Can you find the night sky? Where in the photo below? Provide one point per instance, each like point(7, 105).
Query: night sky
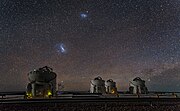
point(83, 39)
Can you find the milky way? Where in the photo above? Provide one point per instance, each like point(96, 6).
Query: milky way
point(114, 39)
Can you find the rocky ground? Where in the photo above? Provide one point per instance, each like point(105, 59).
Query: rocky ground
point(90, 106)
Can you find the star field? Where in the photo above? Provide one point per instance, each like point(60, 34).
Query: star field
point(81, 39)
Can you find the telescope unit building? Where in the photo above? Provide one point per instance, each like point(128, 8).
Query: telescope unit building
point(97, 85)
point(42, 83)
point(110, 87)
point(137, 86)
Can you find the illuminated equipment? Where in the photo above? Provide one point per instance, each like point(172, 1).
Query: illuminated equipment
point(97, 85)
point(110, 87)
point(28, 95)
point(137, 86)
point(42, 83)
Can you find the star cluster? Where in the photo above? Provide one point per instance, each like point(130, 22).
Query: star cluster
point(81, 39)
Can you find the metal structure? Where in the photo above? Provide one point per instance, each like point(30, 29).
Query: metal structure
point(110, 87)
point(98, 85)
point(42, 83)
point(137, 86)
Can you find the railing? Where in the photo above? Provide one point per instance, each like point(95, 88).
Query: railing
point(5, 95)
point(151, 94)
